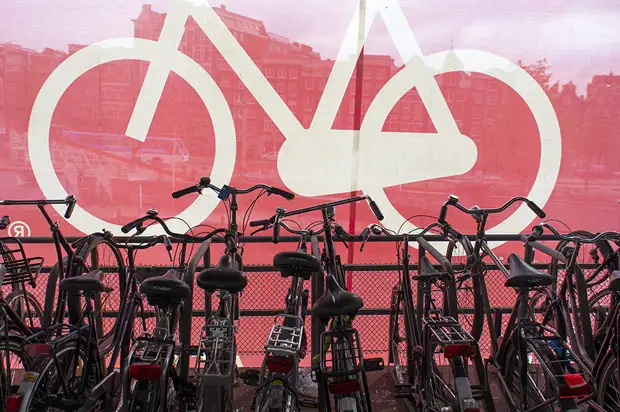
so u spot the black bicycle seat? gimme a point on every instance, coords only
(165, 290)
(89, 283)
(222, 277)
(297, 263)
(614, 280)
(523, 275)
(336, 301)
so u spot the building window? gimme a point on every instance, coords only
(292, 89)
(381, 74)
(281, 73)
(493, 98)
(292, 105)
(478, 111)
(460, 96)
(480, 84)
(293, 73)
(449, 96)
(479, 97)
(267, 125)
(309, 84)
(269, 72)
(474, 130)
(240, 85)
(322, 83)
(281, 88)
(238, 98)
(308, 103)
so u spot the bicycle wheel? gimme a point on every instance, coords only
(537, 382)
(599, 307)
(56, 388)
(400, 343)
(116, 50)
(468, 287)
(26, 306)
(590, 261)
(608, 396)
(11, 376)
(99, 253)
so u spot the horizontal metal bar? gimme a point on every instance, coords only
(295, 239)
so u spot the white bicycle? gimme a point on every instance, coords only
(350, 164)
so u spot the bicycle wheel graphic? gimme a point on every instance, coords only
(501, 69)
(129, 49)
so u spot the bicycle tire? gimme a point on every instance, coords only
(468, 290)
(37, 311)
(36, 401)
(511, 374)
(598, 316)
(396, 337)
(116, 279)
(608, 378)
(14, 348)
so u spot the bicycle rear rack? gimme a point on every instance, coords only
(215, 361)
(19, 268)
(285, 336)
(569, 376)
(450, 337)
(341, 361)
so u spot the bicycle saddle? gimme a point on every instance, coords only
(165, 290)
(297, 263)
(89, 283)
(523, 275)
(614, 280)
(336, 302)
(222, 277)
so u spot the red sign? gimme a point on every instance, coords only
(404, 103)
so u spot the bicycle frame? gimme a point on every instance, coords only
(581, 333)
(60, 244)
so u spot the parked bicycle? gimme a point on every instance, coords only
(605, 364)
(419, 332)
(216, 368)
(537, 368)
(341, 369)
(279, 377)
(21, 272)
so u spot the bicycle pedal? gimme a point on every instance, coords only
(374, 364)
(250, 377)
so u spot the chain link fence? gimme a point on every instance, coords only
(264, 297)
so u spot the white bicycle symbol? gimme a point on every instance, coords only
(344, 160)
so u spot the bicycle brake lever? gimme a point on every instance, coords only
(364, 235)
(260, 229)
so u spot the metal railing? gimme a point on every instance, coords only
(373, 282)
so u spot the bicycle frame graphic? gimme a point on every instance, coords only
(345, 160)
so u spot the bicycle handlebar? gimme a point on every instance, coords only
(225, 191)
(70, 201)
(454, 201)
(328, 205)
(152, 215)
(204, 182)
(4, 222)
(538, 230)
